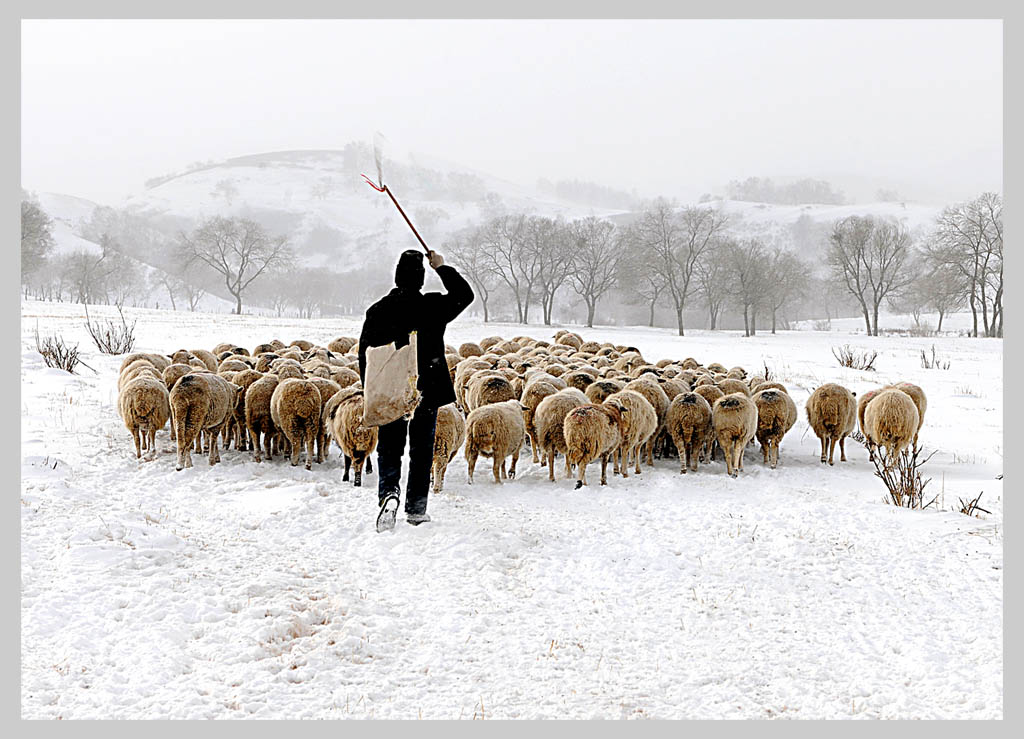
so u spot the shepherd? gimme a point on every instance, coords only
(392, 319)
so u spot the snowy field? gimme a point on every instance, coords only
(248, 590)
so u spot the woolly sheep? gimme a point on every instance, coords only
(773, 385)
(730, 385)
(891, 421)
(638, 427)
(258, 419)
(449, 434)
(578, 379)
(342, 344)
(549, 420)
(344, 376)
(592, 431)
(776, 414)
(659, 400)
(688, 422)
(734, 418)
(862, 404)
(469, 349)
(327, 389)
(920, 402)
(295, 410)
(486, 387)
(533, 394)
(598, 392)
(495, 430)
(206, 357)
(831, 413)
(201, 401)
(302, 344)
(144, 405)
(240, 433)
(357, 441)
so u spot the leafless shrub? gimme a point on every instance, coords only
(855, 359)
(971, 507)
(902, 477)
(968, 391)
(934, 362)
(921, 329)
(112, 338)
(825, 325)
(769, 376)
(57, 353)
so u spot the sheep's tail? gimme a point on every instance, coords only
(730, 403)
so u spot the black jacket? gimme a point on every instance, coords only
(401, 311)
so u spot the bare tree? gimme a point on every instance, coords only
(504, 240)
(36, 236)
(597, 254)
(549, 241)
(786, 277)
(679, 240)
(713, 281)
(639, 275)
(969, 239)
(868, 257)
(239, 250)
(466, 250)
(748, 279)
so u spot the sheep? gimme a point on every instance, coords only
(755, 381)
(357, 442)
(734, 419)
(488, 387)
(277, 344)
(221, 348)
(776, 414)
(160, 361)
(920, 401)
(731, 385)
(578, 379)
(135, 370)
(570, 339)
(342, 344)
(182, 356)
(469, 349)
(549, 419)
(737, 372)
(232, 365)
(206, 357)
(344, 376)
(144, 405)
(302, 344)
(891, 421)
(264, 361)
(449, 434)
(658, 398)
(640, 423)
(327, 389)
(289, 371)
(862, 404)
(673, 388)
(592, 431)
(258, 419)
(532, 396)
(598, 392)
(295, 410)
(263, 349)
(831, 413)
(772, 385)
(201, 401)
(688, 422)
(495, 430)
(717, 368)
(244, 380)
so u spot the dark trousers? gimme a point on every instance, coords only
(391, 447)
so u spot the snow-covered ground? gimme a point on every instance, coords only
(262, 590)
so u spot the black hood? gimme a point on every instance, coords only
(410, 273)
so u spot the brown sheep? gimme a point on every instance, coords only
(776, 414)
(890, 421)
(592, 431)
(221, 348)
(265, 361)
(357, 442)
(135, 370)
(263, 349)
(342, 344)
(295, 410)
(449, 434)
(144, 405)
(533, 394)
(244, 380)
(688, 422)
(578, 379)
(488, 387)
(673, 388)
(734, 418)
(717, 368)
(570, 339)
(160, 361)
(772, 385)
(232, 365)
(289, 372)
(258, 419)
(639, 424)
(598, 392)
(862, 404)
(344, 376)
(731, 385)
(831, 413)
(302, 344)
(495, 430)
(549, 419)
(175, 372)
(201, 401)
(327, 389)
(206, 357)
(469, 349)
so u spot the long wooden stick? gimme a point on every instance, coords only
(384, 188)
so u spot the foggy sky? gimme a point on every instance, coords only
(665, 107)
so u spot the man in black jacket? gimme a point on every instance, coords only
(391, 319)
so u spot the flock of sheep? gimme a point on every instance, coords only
(582, 399)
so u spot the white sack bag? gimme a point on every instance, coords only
(390, 389)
